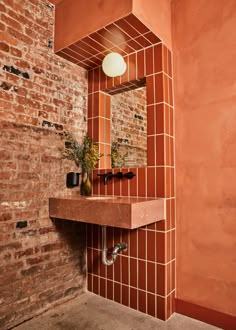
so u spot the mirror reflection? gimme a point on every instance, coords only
(129, 129)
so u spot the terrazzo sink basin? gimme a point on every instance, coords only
(122, 212)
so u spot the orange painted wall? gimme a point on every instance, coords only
(156, 15)
(204, 46)
(77, 19)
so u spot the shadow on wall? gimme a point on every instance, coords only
(76, 243)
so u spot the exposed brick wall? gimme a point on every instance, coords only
(129, 125)
(41, 262)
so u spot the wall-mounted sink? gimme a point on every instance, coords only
(123, 212)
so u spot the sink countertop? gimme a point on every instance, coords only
(114, 211)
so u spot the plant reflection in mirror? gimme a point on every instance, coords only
(117, 156)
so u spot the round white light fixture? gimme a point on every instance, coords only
(113, 65)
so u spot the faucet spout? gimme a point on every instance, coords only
(106, 176)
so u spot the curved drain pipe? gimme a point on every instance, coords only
(115, 250)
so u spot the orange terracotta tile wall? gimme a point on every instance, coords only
(142, 278)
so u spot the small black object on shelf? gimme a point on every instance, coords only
(72, 179)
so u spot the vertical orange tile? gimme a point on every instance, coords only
(90, 127)
(160, 153)
(172, 233)
(102, 288)
(167, 182)
(151, 181)
(125, 185)
(95, 182)
(132, 67)
(133, 183)
(161, 279)
(151, 151)
(160, 247)
(167, 150)
(117, 269)
(107, 131)
(150, 89)
(151, 304)
(165, 58)
(110, 290)
(95, 285)
(101, 108)
(172, 182)
(133, 243)
(101, 129)
(95, 132)
(89, 260)
(90, 105)
(124, 270)
(171, 121)
(172, 287)
(125, 295)
(125, 238)
(108, 106)
(151, 240)
(161, 308)
(142, 302)
(167, 119)
(133, 298)
(159, 118)
(149, 61)
(117, 293)
(166, 88)
(142, 244)
(110, 272)
(158, 58)
(102, 77)
(96, 104)
(160, 182)
(168, 214)
(140, 64)
(125, 77)
(103, 269)
(90, 81)
(142, 274)
(96, 79)
(133, 272)
(151, 277)
(172, 213)
(169, 63)
(151, 120)
(96, 262)
(170, 89)
(171, 151)
(159, 88)
(141, 181)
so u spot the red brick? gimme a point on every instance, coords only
(4, 47)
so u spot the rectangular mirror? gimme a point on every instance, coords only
(129, 128)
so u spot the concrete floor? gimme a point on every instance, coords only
(91, 312)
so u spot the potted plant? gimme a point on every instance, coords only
(85, 156)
